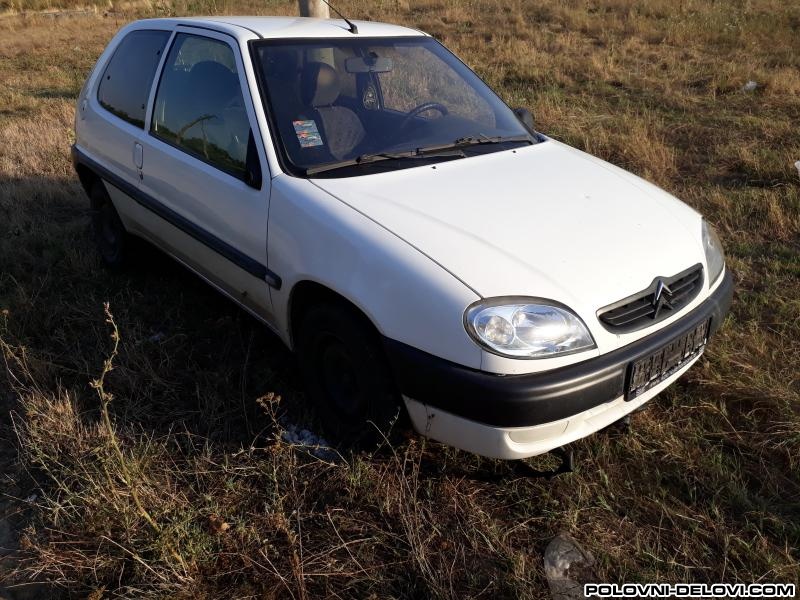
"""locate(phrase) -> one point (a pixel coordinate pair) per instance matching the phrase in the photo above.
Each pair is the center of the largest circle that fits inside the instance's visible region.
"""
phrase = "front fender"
(313, 236)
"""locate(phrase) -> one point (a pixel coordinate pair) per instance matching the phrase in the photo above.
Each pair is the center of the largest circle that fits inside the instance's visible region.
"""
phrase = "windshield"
(346, 107)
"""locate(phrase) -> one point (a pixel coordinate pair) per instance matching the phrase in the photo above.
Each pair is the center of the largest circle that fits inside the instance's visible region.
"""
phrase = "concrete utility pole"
(314, 8)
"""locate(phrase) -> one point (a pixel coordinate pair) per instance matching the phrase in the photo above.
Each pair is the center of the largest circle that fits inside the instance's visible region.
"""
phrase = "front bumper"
(510, 443)
(515, 401)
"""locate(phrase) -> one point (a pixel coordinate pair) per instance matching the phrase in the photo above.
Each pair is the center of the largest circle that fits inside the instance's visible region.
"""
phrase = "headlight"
(527, 328)
(715, 258)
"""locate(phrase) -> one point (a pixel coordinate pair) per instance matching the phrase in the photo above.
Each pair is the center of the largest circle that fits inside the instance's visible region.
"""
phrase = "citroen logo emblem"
(661, 298)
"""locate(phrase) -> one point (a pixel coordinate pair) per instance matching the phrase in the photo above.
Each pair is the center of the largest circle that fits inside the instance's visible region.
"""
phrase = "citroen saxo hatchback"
(415, 241)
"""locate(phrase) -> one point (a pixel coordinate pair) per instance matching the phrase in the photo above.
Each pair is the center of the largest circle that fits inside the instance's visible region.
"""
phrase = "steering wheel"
(424, 107)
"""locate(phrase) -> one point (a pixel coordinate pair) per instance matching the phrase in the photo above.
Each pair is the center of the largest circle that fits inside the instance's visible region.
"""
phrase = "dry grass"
(706, 487)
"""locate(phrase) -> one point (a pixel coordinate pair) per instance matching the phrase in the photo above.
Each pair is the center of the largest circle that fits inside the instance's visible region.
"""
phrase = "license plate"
(661, 364)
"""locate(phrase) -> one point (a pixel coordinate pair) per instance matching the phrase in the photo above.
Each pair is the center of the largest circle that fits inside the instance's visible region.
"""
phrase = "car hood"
(546, 221)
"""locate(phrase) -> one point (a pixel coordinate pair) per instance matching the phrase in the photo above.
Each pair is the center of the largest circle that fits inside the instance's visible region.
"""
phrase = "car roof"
(287, 27)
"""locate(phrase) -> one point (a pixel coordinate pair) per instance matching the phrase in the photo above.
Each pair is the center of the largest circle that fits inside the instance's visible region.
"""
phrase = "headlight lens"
(715, 257)
(525, 328)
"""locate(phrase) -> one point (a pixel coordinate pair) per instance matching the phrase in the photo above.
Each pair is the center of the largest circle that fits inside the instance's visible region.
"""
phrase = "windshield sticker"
(307, 133)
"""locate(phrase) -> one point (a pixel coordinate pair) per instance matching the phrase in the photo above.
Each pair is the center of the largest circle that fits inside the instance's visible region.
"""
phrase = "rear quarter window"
(127, 78)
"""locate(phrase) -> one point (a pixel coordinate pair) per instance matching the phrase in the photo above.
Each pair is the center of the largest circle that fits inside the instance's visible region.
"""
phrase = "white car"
(418, 244)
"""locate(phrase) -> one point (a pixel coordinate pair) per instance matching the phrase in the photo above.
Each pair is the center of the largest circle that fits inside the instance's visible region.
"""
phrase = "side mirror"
(525, 117)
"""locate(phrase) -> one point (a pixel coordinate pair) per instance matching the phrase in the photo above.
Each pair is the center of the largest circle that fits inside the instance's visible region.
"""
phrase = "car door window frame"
(247, 99)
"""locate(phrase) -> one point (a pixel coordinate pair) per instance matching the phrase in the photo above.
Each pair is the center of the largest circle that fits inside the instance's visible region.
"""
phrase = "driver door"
(203, 167)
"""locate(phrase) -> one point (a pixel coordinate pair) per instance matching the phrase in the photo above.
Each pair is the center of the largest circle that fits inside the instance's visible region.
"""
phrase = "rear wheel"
(109, 233)
(346, 375)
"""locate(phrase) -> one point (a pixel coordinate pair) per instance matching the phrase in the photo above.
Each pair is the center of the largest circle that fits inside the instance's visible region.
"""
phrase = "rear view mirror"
(368, 64)
(525, 117)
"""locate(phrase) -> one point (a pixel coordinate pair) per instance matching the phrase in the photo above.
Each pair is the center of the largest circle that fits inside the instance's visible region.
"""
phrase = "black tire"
(346, 376)
(110, 237)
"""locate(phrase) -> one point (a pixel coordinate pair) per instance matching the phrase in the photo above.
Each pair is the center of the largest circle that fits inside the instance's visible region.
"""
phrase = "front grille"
(663, 298)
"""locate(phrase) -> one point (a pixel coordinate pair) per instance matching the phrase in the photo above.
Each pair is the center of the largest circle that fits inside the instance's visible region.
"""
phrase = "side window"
(126, 82)
(419, 76)
(199, 106)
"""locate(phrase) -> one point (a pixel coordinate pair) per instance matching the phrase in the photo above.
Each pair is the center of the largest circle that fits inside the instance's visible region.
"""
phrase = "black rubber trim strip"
(218, 20)
(220, 31)
(534, 399)
(241, 260)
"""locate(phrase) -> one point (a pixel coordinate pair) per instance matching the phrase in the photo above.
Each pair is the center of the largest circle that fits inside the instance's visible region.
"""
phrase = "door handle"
(138, 155)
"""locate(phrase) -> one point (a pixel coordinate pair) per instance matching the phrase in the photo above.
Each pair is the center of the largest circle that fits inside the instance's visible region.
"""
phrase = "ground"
(182, 485)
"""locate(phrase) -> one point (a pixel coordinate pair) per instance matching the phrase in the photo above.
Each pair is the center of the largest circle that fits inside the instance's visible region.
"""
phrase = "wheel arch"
(308, 293)
(87, 177)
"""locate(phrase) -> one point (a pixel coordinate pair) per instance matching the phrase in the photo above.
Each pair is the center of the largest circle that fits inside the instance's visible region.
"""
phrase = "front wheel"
(346, 375)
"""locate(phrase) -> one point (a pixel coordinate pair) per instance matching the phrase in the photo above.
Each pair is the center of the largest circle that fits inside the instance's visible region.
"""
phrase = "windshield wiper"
(365, 159)
(453, 149)
(477, 140)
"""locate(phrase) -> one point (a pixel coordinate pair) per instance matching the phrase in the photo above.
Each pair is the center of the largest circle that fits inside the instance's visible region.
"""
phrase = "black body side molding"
(236, 256)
